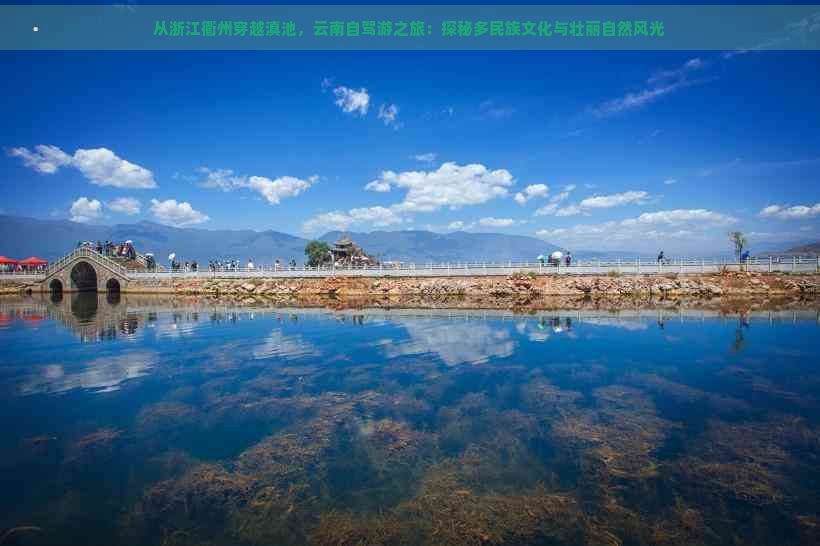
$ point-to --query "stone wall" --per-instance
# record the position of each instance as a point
(513, 286)
(8, 286)
(502, 286)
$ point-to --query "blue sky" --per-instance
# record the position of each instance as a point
(619, 150)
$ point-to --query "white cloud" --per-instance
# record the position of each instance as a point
(338, 220)
(596, 202)
(785, 212)
(532, 191)
(223, 179)
(429, 157)
(552, 207)
(614, 200)
(352, 101)
(630, 101)
(272, 190)
(682, 216)
(570, 210)
(46, 159)
(457, 225)
(688, 228)
(677, 73)
(378, 186)
(496, 222)
(670, 181)
(450, 185)
(125, 205)
(100, 166)
(176, 214)
(661, 83)
(276, 190)
(389, 114)
(85, 210)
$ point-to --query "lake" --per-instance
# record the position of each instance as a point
(175, 422)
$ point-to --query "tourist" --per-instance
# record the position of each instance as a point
(250, 265)
(276, 265)
(568, 259)
(660, 257)
(98, 248)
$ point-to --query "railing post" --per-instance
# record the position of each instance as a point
(794, 264)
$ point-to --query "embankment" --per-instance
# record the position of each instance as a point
(513, 286)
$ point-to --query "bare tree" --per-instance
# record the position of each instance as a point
(738, 242)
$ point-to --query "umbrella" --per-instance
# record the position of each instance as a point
(149, 254)
(540, 257)
(171, 256)
(129, 241)
(7, 261)
(33, 261)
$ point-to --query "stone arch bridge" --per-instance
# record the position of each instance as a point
(85, 270)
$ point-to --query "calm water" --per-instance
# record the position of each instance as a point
(168, 422)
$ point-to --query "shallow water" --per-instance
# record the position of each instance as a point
(150, 421)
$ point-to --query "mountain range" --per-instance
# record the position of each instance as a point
(21, 237)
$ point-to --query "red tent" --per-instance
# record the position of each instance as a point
(7, 261)
(33, 261)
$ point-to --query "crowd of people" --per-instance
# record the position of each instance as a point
(236, 265)
(556, 258)
(111, 249)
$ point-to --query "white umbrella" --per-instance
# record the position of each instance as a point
(171, 256)
(149, 254)
(540, 257)
(129, 241)
(556, 255)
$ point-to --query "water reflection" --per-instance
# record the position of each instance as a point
(207, 422)
(99, 375)
(453, 342)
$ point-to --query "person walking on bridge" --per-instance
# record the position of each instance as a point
(660, 257)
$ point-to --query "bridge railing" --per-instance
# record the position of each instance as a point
(795, 264)
(85, 252)
(791, 264)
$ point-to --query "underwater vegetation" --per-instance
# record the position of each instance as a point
(283, 438)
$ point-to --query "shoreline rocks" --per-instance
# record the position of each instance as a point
(516, 286)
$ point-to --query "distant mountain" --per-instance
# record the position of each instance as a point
(802, 249)
(426, 246)
(50, 239)
(812, 249)
(21, 237)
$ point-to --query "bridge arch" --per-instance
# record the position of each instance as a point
(84, 270)
(112, 286)
(83, 277)
(55, 286)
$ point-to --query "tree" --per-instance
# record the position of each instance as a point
(317, 253)
(738, 242)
